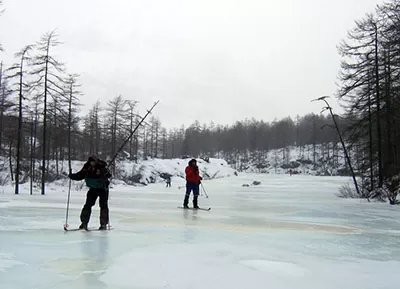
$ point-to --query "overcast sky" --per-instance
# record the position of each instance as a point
(206, 60)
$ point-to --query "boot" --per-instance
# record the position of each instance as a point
(83, 226)
(186, 202)
(85, 215)
(103, 227)
(195, 206)
(104, 214)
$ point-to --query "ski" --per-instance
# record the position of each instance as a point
(88, 229)
(71, 230)
(201, 209)
(94, 229)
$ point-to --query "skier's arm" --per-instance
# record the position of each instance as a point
(79, 175)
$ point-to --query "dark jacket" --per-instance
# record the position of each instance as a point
(96, 177)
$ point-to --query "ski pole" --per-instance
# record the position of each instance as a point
(205, 193)
(66, 217)
(108, 197)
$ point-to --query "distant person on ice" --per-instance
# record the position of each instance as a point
(96, 176)
(193, 181)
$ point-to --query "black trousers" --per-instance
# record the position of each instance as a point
(91, 198)
(191, 187)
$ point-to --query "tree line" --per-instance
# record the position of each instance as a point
(369, 92)
(37, 96)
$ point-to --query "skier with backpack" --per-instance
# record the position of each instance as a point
(96, 175)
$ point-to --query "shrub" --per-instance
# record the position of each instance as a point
(348, 192)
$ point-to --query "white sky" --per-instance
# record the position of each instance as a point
(210, 60)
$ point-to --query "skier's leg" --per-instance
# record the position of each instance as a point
(103, 202)
(196, 191)
(187, 194)
(91, 198)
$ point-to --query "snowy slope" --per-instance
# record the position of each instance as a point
(155, 170)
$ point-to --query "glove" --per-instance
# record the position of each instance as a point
(201, 178)
(70, 174)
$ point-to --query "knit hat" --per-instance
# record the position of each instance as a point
(92, 158)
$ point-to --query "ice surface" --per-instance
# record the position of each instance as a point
(288, 232)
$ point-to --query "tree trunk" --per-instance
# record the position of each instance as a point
(32, 154)
(19, 137)
(378, 109)
(44, 140)
(370, 147)
(10, 160)
(69, 126)
(314, 140)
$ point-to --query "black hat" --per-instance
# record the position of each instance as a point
(192, 161)
(92, 158)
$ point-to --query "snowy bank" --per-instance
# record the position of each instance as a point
(157, 170)
(128, 172)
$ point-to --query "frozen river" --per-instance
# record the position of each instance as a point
(288, 232)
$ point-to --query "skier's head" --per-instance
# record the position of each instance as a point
(192, 162)
(92, 160)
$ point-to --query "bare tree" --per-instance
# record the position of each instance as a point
(93, 130)
(33, 137)
(348, 160)
(72, 94)
(17, 71)
(132, 121)
(116, 113)
(49, 84)
(5, 106)
(97, 126)
(154, 128)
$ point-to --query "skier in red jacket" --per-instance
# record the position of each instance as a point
(193, 181)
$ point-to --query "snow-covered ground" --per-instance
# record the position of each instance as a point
(288, 232)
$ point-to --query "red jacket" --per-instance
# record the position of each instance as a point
(192, 175)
